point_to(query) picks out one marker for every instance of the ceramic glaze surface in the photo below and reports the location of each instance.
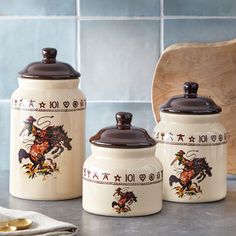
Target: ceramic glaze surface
(47, 139)
(122, 182)
(192, 149)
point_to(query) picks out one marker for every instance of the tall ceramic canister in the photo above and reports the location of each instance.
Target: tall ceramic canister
(47, 131)
(122, 177)
(192, 148)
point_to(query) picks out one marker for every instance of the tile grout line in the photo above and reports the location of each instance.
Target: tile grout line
(113, 17)
(198, 17)
(37, 17)
(76, 36)
(78, 39)
(91, 18)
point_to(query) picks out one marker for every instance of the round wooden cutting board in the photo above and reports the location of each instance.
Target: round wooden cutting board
(213, 66)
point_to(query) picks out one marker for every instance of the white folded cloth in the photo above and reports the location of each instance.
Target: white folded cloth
(42, 225)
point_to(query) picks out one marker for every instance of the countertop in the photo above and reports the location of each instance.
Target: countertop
(218, 218)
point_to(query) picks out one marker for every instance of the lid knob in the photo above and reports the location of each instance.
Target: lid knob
(190, 89)
(49, 55)
(123, 120)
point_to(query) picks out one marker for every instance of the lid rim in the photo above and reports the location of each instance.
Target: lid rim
(123, 135)
(200, 112)
(37, 77)
(190, 103)
(49, 68)
(123, 146)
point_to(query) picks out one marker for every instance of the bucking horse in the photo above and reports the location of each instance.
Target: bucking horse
(196, 168)
(52, 138)
(124, 201)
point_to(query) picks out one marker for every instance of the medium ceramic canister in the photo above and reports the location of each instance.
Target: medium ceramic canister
(192, 148)
(47, 131)
(122, 177)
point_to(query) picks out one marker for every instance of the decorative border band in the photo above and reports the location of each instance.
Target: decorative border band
(191, 144)
(48, 110)
(125, 184)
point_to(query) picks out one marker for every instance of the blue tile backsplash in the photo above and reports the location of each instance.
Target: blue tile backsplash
(200, 7)
(120, 8)
(114, 52)
(114, 44)
(198, 30)
(23, 40)
(37, 8)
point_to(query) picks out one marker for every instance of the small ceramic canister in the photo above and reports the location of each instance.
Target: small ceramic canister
(47, 131)
(192, 148)
(122, 177)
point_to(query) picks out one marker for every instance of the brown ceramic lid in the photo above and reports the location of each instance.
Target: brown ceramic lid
(123, 135)
(49, 68)
(190, 102)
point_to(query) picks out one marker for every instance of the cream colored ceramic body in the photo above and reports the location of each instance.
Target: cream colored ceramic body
(122, 182)
(198, 172)
(39, 105)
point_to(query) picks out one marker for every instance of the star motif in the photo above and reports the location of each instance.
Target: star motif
(191, 139)
(42, 104)
(117, 178)
(180, 137)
